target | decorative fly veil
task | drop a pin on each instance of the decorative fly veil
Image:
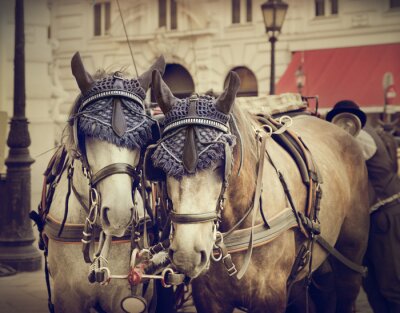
(194, 137)
(196, 134)
(112, 109)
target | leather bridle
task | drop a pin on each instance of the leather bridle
(135, 173)
(215, 215)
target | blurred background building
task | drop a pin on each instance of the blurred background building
(335, 49)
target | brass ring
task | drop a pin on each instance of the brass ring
(219, 255)
(94, 195)
(285, 119)
(164, 276)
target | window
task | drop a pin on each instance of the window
(319, 7)
(334, 7)
(249, 7)
(248, 82)
(394, 4)
(326, 7)
(242, 11)
(235, 11)
(102, 18)
(168, 14)
(162, 13)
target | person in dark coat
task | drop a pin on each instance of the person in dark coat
(382, 284)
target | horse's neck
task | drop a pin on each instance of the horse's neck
(76, 213)
(241, 188)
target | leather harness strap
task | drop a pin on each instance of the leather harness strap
(235, 240)
(340, 257)
(115, 168)
(73, 232)
(295, 146)
(256, 202)
(193, 218)
(262, 234)
(79, 198)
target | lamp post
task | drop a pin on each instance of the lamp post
(16, 234)
(274, 12)
(300, 79)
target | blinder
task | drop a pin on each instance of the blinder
(113, 110)
(152, 173)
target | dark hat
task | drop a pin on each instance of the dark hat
(347, 106)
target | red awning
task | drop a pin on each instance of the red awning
(354, 73)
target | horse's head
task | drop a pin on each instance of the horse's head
(110, 130)
(195, 153)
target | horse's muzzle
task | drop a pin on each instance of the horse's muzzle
(191, 264)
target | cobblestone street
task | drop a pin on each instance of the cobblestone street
(26, 293)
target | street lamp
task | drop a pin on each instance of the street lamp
(274, 12)
(16, 234)
(300, 79)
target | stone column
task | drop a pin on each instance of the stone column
(16, 234)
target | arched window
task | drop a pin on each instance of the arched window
(248, 82)
(178, 80)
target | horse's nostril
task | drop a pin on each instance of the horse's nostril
(203, 257)
(106, 221)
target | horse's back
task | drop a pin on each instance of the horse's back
(337, 155)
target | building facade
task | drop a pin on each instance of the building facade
(201, 41)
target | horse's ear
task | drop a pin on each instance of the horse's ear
(164, 97)
(226, 100)
(83, 78)
(145, 78)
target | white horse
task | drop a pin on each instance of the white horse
(71, 290)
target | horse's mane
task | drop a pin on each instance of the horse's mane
(67, 138)
(243, 185)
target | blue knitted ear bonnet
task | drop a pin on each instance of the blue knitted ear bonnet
(95, 116)
(211, 133)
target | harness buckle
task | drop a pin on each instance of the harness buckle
(221, 204)
(86, 172)
(230, 267)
